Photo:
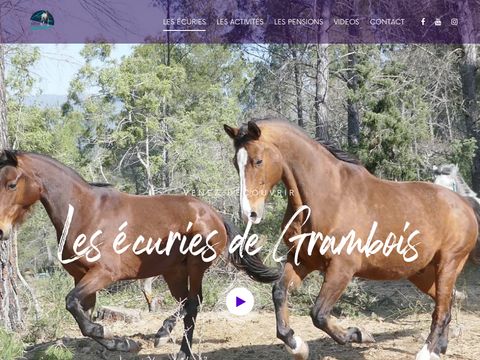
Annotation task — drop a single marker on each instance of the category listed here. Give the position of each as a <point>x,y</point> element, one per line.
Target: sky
<point>59,63</point>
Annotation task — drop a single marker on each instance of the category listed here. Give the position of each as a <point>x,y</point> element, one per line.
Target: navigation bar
<point>239,21</point>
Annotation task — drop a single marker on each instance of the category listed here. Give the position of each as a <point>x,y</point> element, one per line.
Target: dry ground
<point>221,336</point>
<point>399,320</point>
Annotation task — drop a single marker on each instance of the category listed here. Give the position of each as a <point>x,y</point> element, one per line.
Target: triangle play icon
<point>239,301</point>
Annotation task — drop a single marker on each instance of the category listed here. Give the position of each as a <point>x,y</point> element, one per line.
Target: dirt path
<point>221,336</point>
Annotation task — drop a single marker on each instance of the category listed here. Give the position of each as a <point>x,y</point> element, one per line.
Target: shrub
<point>56,352</point>
<point>55,318</point>
<point>11,346</point>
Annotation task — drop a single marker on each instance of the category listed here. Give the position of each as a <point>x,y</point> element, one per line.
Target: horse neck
<point>310,172</point>
<point>61,187</point>
<point>463,187</point>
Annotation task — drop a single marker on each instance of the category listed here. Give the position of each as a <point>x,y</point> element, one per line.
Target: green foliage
<point>461,153</point>
<point>394,122</point>
<point>54,319</point>
<point>156,119</point>
<point>56,352</point>
<point>11,347</point>
<point>20,79</point>
<point>129,294</point>
<point>37,242</point>
<point>355,300</point>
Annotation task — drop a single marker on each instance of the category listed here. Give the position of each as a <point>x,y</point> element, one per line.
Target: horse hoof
<point>357,335</point>
<point>459,295</point>
<point>366,337</point>
<point>181,356</point>
<point>132,346</point>
<point>160,341</point>
<point>300,352</point>
<point>424,354</point>
<point>107,334</point>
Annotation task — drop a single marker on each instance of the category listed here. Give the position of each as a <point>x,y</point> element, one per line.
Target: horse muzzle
<point>5,233</point>
<point>255,216</point>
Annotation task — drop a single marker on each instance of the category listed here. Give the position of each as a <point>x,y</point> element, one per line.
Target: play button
<point>240,301</point>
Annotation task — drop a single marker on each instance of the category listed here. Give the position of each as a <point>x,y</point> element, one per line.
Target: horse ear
<point>232,132</point>
<point>12,158</point>
<point>254,131</point>
<point>8,158</point>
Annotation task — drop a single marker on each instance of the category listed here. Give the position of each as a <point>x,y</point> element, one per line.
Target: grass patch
<point>11,347</point>
<point>55,319</point>
<point>55,352</point>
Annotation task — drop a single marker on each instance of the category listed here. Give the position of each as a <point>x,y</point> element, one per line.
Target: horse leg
<point>195,298</point>
<point>290,280</point>
<point>169,323</point>
<point>425,281</point>
<point>94,280</point>
<point>437,340</point>
<point>89,302</point>
<point>148,293</point>
<point>177,282</point>
<point>335,281</point>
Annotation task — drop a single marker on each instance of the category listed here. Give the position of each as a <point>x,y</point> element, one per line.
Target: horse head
<point>259,165</point>
<point>18,192</point>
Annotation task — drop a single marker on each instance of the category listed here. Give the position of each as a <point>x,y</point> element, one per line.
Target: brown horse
<point>355,225</point>
<point>98,229</point>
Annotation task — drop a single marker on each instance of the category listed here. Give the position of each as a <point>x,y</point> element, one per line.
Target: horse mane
<point>333,149</point>
<point>9,158</point>
<point>339,153</point>
<point>452,171</point>
<point>100,184</point>
<point>445,169</point>
<point>463,187</point>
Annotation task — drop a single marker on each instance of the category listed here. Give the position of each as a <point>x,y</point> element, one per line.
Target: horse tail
<point>475,254</point>
<point>251,264</point>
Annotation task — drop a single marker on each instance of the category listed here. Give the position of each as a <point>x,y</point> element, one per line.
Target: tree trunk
<point>10,309</point>
<point>321,72</point>
<point>4,143</point>
<point>468,73</point>
<point>146,162</point>
<point>321,87</point>
<point>168,35</point>
<point>468,70</point>
<point>298,87</point>
<point>353,116</point>
<point>166,174</point>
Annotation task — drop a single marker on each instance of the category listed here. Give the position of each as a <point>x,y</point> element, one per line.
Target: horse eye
<point>258,162</point>
<point>12,186</point>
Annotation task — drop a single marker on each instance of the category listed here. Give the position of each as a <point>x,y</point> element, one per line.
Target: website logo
<point>41,20</point>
